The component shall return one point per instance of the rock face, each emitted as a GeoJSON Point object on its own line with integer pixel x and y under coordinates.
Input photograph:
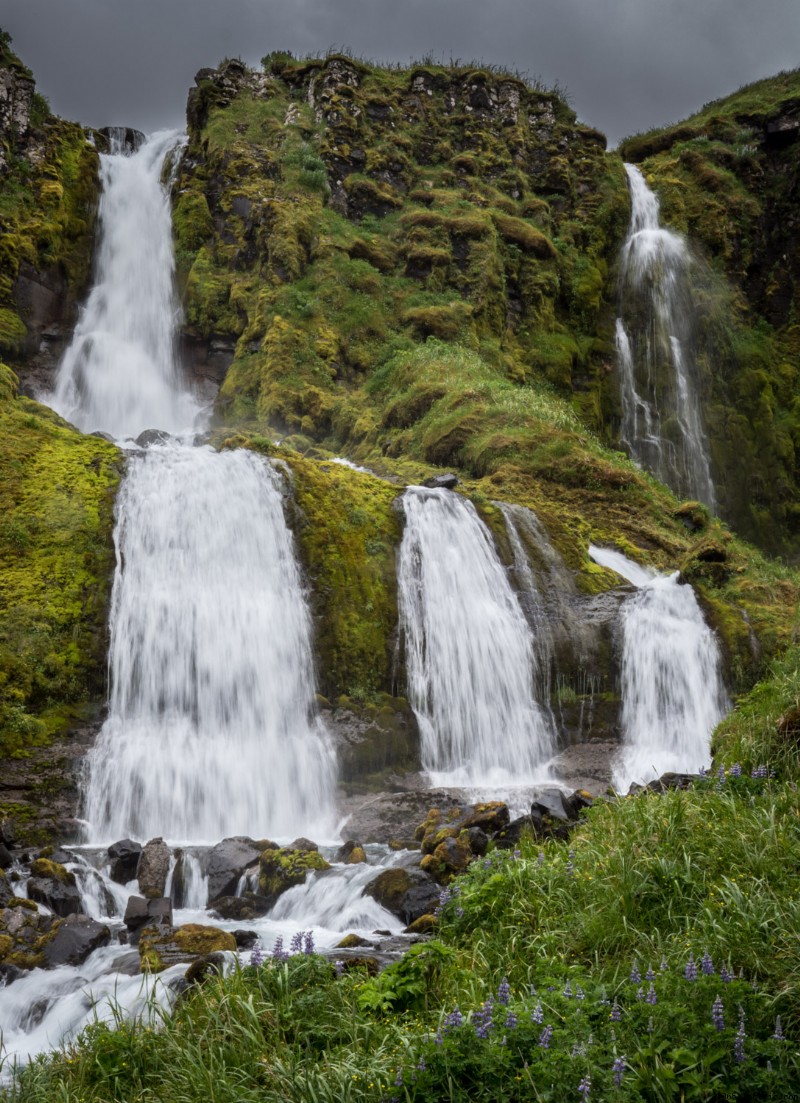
{"type": "Point", "coordinates": [75, 938]}
{"type": "Point", "coordinates": [153, 868]}
{"type": "Point", "coordinates": [141, 912]}
{"type": "Point", "coordinates": [124, 858]}
{"type": "Point", "coordinates": [227, 862]}
{"type": "Point", "coordinates": [24, 934]}
{"type": "Point", "coordinates": [54, 886]}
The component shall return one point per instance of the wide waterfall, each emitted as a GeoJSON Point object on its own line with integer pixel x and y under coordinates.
{"type": "Point", "coordinates": [672, 691]}
{"type": "Point", "coordinates": [470, 654]}
{"type": "Point", "coordinates": [120, 374]}
{"type": "Point", "coordinates": [662, 426]}
{"type": "Point", "coordinates": [211, 727]}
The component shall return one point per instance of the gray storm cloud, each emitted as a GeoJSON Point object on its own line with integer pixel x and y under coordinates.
{"type": "Point", "coordinates": [626, 64]}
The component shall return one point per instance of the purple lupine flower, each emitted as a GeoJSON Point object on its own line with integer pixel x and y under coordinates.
{"type": "Point", "coordinates": [567, 990]}
{"type": "Point", "coordinates": [725, 976]}
{"type": "Point", "coordinates": [257, 955]}
{"type": "Point", "coordinates": [618, 1070]}
{"type": "Point", "coordinates": [578, 1050]}
{"type": "Point", "coordinates": [640, 993]}
{"type": "Point", "coordinates": [438, 1039]}
{"type": "Point", "coordinates": [664, 966]}
{"type": "Point", "coordinates": [540, 858]}
{"type": "Point", "coordinates": [760, 771]}
{"type": "Point", "coordinates": [779, 1036]}
{"type": "Point", "coordinates": [690, 970]}
{"type": "Point", "coordinates": [459, 912]}
{"type": "Point", "coordinates": [482, 1019]}
{"type": "Point", "coordinates": [339, 967]}
{"type": "Point", "coordinates": [636, 976]}
{"type": "Point", "coordinates": [579, 993]}
{"type": "Point", "coordinates": [718, 1014]}
{"type": "Point", "coordinates": [511, 1021]}
{"type": "Point", "coordinates": [296, 945]}
{"type": "Point", "coordinates": [455, 890]}
{"type": "Point", "coordinates": [398, 1080]}
{"type": "Point", "coordinates": [721, 773]}
{"type": "Point", "coordinates": [487, 864]}
{"type": "Point", "coordinates": [616, 1013]}
{"type": "Point", "coordinates": [453, 1020]}
{"type": "Point", "coordinates": [278, 952]}
{"type": "Point", "coordinates": [736, 770]}
{"type": "Point", "coordinates": [707, 964]}
{"type": "Point", "coordinates": [504, 992]}
{"type": "Point", "coordinates": [738, 1044]}
{"type": "Point", "coordinates": [517, 855]}
{"type": "Point", "coordinates": [585, 1086]}
{"type": "Point", "coordinates": [650, 975]}
{"type": "Point", "coordinates": [537, 1014]}
{"type": "Point", "coordinates": [651, 996]}
{"type": "Point", "coordinates": [444, 900]}
{"type": "Point", "coordinates": [421, 1066]}
{"type": "Point", "coordinates": [308, 943]}
{"type": "Point", "coordinates": [545, 1036]}
{"type": "Point", "coordinates": [571, 864]}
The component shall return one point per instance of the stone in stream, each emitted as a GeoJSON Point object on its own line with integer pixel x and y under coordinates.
{"type": "Point", "coordinates": [351, 853]}
{"type": "Point", "coordinates": [160, 947]}
{"type": "Point", "coordinates": [281, 869]}
{"type": "Point", "coordinates": [228, 860]}
{"type": "Point", "coordinates": [75, 939]}
{"type": "Point", "coordinates": [247, 906]}
{"type": "Point", "coordinates": [54, 886]}
{"type": "Point", "coordinates": [406, 893]}
{"type": "Point", "coordinates": [153, 868]}
{"type": "Point", "coordinates": [124, 858]}
{"type": "Point", "coordinates": [141, 912]}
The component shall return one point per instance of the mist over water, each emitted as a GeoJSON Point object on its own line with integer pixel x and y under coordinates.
{"type": "Point", "coordinates": [470, 654]}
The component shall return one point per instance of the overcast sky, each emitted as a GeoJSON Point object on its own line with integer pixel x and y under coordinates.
{"type": "Point", "coordinates": [626, 64]}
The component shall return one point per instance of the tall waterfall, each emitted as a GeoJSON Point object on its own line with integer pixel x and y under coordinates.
{"type": "Point", "coordinates": [672, 691]}
{"type": "Point", "coordinates": [470, 654]}
{"type": "Point", "coordinates": [119, 374]}
{"type": "Point", "coordinates": [211, 728]}
{"type": "Point", "coordinates": [662, 425]}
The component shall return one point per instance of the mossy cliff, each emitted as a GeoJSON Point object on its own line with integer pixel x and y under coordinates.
{"type": "Point", "coordinates": [727, 177]}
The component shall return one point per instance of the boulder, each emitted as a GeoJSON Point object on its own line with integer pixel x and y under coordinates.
{"type": "Point", "coordinates": [6, 891]}
{"type": "Point", "coordinates": [153, 868]}
{"type": "Point", "coordinates": [448, 481]}
{"type": "Point", "coordinates": [350, 853]}
{"type": "Point", "coordinates": [350, 941]}
{"type": "Point", "coordinates": [124, 858]}
{"type": "Point", "coordinates": [141, 912]}
{"type": "Point", "coordinates": [302, 844]}
{"type": "Point", "coordinates": [160, 947]}
{"type": "Point", "coordinates": [279, 870]}
{"type": "Point", "coordinates": [451, 856]}
{"type": "Point", "coordinates": [247, 906]}
{"type": "Point", "coordinates": [407, 893]}
{"type": "Point", "coordinates": [152, 436]}
{"type": "Point", "coordinates": [24, 932]}
{"type": "Point", "coordinates": [245, 940]}
{"type": "Point", "coordinates": [54, 886]}
{"type": "Point", "coordinates": [74, 940]}
{"type": "Point", "coordinates": [5, 856]}
{"type": "Point", "coordinates": [228, 860]}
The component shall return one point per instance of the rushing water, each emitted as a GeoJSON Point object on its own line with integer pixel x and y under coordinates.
{"type": "Point", "coordinates": [470, 654]}
{"type": "Point", "coordinates": [120, 374]}
{"type": "Point", "coordinates": [662, 425]}
{"type": "Point", "coordinates": [672, 691]}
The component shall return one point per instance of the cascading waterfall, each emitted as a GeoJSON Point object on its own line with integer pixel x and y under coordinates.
{"type": "Point", "coordinates": [672, 691]}
{"type": "Point", "coordinates": [211, 728]}
{"type": "Point", "coordinates": [470, 654]}
{"type": "Point", "coordinates": [119, 373]}
{"type": "Point", "coordinates": [662, 425]}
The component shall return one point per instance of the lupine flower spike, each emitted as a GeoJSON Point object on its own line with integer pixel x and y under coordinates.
{"type": "Point", "coordinates": [585, 1086]}
{"type": "Point", "coordinates": [636, 976]}
{"type": "Point", "coordinates": [651, 996]}
{"type": "Point", "coordinates": [545, 1036]}
{"type": "Point", "coordinates": [504, 992]}
{"type": "Point", "coordinates": [618, 1071]}
{"type": "Point", "coordinates": [717, 1014]}
{"type": "Point", "coordinates": [779, 1036]}
{"type": "Point", "coordinates": [537, 1015]}
{"type": "Point", "coordinates": [707, 964]}
{"type": "Point", "coordinates": [690, 972]}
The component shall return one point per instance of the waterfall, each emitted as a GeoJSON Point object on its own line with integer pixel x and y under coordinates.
{"type": "Point", "coordinates": [672, 691]}
{"type": "Point", "coordinates": [662, 426]}
{"type": "Point", "coordinates": [119, 373]}
{"type": "Point", "coordinates": [211, 728]}
{"type": "Point", "coordinates": [470, 654]}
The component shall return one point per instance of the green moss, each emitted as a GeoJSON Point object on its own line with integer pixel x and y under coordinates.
{"type": "Point", "coordinates": [279, 870]}
{"type": "Point", "coordinates": [196, 938]}
{"type": "Point", "coordinates": [43, 867]}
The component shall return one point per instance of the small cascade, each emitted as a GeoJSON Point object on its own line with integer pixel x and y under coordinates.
{"type": "Point", "coordinates": [662, 426]}
{"type": "Point", "coordinates": [470, 655]}
{"type": "Point", "coordinates": [672, 691]}
{"type": "Point", "coordinates": [212, 726]}
{"type": "Point", "coordinates": [119, 373]}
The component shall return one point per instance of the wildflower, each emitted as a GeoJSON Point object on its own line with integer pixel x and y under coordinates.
{"type": "Point", "coordinates": [504, 992]}
{"type": "Point", "coordinates": [308, 943]}
{"type": "Point", "coordinates": [736, 770]}
{"type": "Point", "coordinates": [545, 1036]}
{"type": "Point", "coordinates": [444, 900]}
{"type": "Point", "coordinates": [651, 997]}
{"type": "Point", "coordinates": [482, 1020]}
{"type": "Point", "coordinates": [650, 1025]}
{"type": "Point", "coordinates": [579, 1050]}
{"type": "Point", "coordinates": [690, 971]}
{"type": "Point", "coordinates": [618, 1071]}
{"type": "Point", "coordinates": [664, 966]}
{"type": "Point", "coordinates": [717, 1014]}
{"type": "Point", "coordinates": [640, 993]}
{"type": "Point", "coordinates": [616, 1013]}
{"type": "Point", "coordinates": [540, 858]}
{"type": "Point", "coordinates": [636, 976]}
{"type": "Point", "coordinates": [650, 975]}
{"type": "Point", "coordinates": [738, 1044]}
{"type": "Point", "coordinates": [296, 945]}
{"type": "Point", "coordinates": [579, 993]}
{"type": "Point", "coordinates": [779, 1036]}
{"type": "Point", "coordinates": [537, 1014]}
{"type": "Point", "coordinates": [453, 1020]}
{"type": "Point", "coordinates": [721, 773]}
{"type": "Point", "coordinates": [585, 1086]}
{"type": "Point", "coordinates": [511, 1021]}
{"type": "Point", "coordinates": [257, 955]}
{"type": "Point", "coordinates": [707, 964]}
{"type": "Point", "coordinates": [725, 976]}
{"type": "Point", "coordinates": [278, 952]}
{"type": "Point", "coordinates": [421, 1066]}
{"type": "Point", "coordinates": [759, 771]}
{"type": "Point", "coordinates": [568, 990]}
{"type": "Point", "coordinates": [571, 864]}
{"type": "Point", "coordinates": [517, 855]}
{"type": "Point", "coordinates": [459, 912]}
{"type": "Point", "coordinates": [339, 967]}
{"type": "Point", "coordinates": [398, 1080]}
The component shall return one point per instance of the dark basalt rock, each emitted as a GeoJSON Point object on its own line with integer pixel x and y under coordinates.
{"type": "Point", "coordinates": [227, 862]}
{"type": "Point", "coordinates": [247, 906]}
{"type": "Point", "coordinates": [153, 868]}
{"type": "Point", "coordinates": [124, 857]}
{"type": "Point", "coordinates": [54, 886]}
{"type": "Point", "coordinates": [152, 436]}
{"type": "Point", "coordinates": [245, 940]}
{"type": "Point", "coordinates": [141, 912]}
{"type": "Point", "coordinates": [445, 482]}
{"type": "Point", "coordinates": [407, 893]}
{"type": "Point", "coordinates": [74, 940]}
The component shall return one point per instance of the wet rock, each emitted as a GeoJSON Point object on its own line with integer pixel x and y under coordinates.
{"type": "Point", "coordinates": [478, 841]}
{"type": "Point", "coordinates": [54, 886]}
{"type": "Point", "coordinates": [74, 940]}
{"type": "Point", "coordinates": [141, 912]}
{"type": "Point", "coordinates": [153, 868]}
{"type": "Point", "coordinates": [351, 853]}
{"type": "Point", "coordinates": [5, 856]}
{"type": "Point", "coordinates": [550, 803]}
{"type": "Point", "coordinates": [153, 436]}
{"type": "Point", "coordinates": [303, 844]}
{"type": "Point", "coordinates": [6, 890]}
{"type": "Point", "coordinates": [245, 940]}
{"type": "Point", "coordinates": [447, 481]}
{"type": "Point", "coordinates": [407, 893]}
{"type": "Point", "coordinates": [209, 965]}
{"type": "Point", "coordinates": [24, 933]}
{"type": "Point", "coordinates": [247, 906]}
{"type": "Point", "coordinates": [160, 947]}
{"type": "Point", "coordinates": [10, 973]}
{"type": "Point", "coordinates": [124, 858]}
{"type": "Point", "coordinates": [279, 870]}
{"type": "Point", "coordinates": [424, 925]}
{"type": "Point", "coordinates": [350, 941]}
{"type": "Point", "coordinates": [450, 857]}
{"type": "Point", "coordinates": [374, 744]}
{"type": "Point", "coordinates": [228, 860]}
{"type": "Point", "coordinates": [670, 781]}
{"type": "Point", "coordinates": [396, 815]}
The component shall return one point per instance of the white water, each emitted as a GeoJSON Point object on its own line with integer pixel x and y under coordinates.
{"type": "Point", "coordinates": [662, 424]}
{"type": "Point", "coordinates": [120, 374]}
{"type": "Point", "coordinates": [672, 691]}
{"type": "Point", "coordinates": [212, 729]}
{"type": "Point", "coordinates": [470, 654]}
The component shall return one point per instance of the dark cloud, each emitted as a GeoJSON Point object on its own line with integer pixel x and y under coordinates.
{"type": "Point", "coordinates": [627, 64]}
